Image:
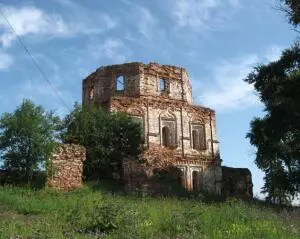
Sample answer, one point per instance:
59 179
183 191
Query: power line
33 60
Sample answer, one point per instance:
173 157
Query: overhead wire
44 76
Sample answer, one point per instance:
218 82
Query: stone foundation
67 167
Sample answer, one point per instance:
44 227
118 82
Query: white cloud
204 14
113 49
6 61
146 22
30 20
87 20
143 20
228 90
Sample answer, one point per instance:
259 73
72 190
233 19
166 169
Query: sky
217 41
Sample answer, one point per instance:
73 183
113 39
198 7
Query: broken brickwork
160 98
65 171
237 182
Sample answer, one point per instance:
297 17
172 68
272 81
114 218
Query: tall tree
292 9
27 138
108 137
277 134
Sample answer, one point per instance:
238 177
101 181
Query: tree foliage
277 134
27 138
292 9
108 137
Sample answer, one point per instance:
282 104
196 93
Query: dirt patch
6 215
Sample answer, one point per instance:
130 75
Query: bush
108 137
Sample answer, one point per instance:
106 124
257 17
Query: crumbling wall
65 171
212 180
142 94
237 182
155 111
165 109
139 80
193 174
139 175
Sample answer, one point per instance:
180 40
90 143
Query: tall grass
97 213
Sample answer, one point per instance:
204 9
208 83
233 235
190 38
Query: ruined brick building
160 98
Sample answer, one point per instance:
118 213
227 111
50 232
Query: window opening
91 92
120 83
162 85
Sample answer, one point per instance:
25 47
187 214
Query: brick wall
156 111
237 182
171 108
66 167
139 80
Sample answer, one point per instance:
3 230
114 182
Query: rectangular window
162 85
120 83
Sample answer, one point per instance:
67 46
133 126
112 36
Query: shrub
108 138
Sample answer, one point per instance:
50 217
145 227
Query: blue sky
217 41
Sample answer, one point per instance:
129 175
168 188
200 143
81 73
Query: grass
96 212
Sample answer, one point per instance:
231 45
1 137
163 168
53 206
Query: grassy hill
94 212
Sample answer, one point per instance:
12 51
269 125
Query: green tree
277 134
292 9
27 138
108 137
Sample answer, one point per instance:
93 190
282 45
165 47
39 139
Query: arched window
196 139
166 136
120 83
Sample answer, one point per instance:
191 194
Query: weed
94 212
